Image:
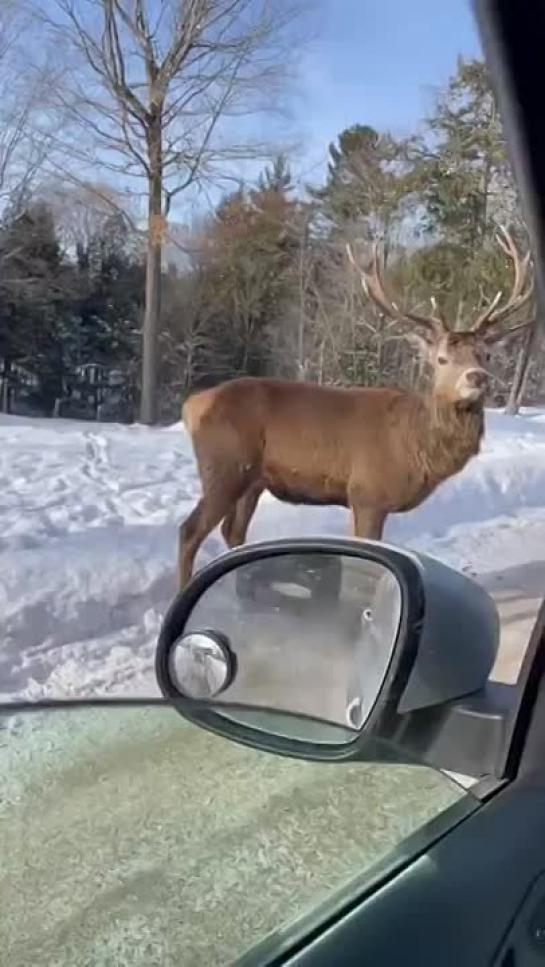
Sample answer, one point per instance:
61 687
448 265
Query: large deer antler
494 314
373 286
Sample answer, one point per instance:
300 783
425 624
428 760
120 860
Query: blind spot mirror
201 664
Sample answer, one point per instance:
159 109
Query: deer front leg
367 522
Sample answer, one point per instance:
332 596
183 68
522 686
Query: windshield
317 197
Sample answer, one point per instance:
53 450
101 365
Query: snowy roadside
89 515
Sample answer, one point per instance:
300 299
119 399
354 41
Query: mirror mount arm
466 736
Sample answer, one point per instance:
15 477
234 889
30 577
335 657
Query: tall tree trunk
300 366
152 309
521 371
5 393
301 322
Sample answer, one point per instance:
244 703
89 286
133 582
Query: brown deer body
375 451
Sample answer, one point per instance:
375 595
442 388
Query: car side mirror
336 649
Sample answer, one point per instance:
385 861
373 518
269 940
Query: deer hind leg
235 525
367 522
229 467
215 504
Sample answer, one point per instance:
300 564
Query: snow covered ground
89 516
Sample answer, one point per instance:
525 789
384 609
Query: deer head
458 357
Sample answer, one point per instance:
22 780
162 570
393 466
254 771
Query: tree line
262 284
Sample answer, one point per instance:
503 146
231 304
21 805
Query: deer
374 450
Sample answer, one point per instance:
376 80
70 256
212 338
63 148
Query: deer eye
442 360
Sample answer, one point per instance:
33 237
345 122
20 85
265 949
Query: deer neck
452 435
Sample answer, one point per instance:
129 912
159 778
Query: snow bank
89 516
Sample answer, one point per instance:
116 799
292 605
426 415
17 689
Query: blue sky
377 62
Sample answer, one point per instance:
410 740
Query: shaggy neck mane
448 435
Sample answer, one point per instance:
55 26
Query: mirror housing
430 700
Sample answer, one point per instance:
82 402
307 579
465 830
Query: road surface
518 593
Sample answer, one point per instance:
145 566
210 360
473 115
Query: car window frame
287 941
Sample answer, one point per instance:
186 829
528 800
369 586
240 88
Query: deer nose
477 378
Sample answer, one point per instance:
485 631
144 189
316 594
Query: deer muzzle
473 384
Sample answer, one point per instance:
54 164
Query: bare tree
149 85
24 145
525 354
24 141
82 210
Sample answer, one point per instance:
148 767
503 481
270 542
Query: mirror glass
311 637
